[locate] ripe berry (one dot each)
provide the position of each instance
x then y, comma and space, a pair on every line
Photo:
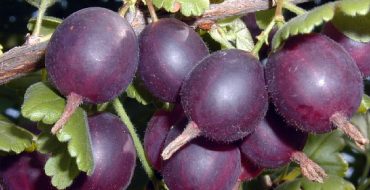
114, 155
224, 96
92, 57
201, 164
24, 172
315, 85
358, 50
156, 133
274, 144
169, 49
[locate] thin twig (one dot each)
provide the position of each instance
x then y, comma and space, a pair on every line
235, 8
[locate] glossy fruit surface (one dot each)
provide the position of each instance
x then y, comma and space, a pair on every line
201, 164
312, 78
93, 53
156, 133
358, 50
169, 49
273, 142
24, 172
225, 95
114, 155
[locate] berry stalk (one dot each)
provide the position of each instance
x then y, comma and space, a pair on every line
262, 38
73, 102
150, 6
191, 131
350, 130
41, 12
309, 169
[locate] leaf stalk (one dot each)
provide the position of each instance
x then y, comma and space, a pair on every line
138, 145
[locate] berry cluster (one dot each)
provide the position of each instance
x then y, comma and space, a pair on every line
233, 116
224, 132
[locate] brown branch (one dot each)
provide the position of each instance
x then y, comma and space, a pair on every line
27, 58
21, 60
234, 8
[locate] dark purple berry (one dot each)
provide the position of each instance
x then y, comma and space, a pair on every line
169, 49
114, 155
24, 172
225, 95
92, 57
156, 133
93, 53
274, 144
315, 85
201, 164
358, 50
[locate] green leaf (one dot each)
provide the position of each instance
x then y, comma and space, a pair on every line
305, 23
37, 3
62, 169
48, 25
232, 33
187, 7
136, 91
46, 142
42, 104
331, 183
365, 104
325, 149
263, 18
76, 133
357, 28
353, 8
13, 138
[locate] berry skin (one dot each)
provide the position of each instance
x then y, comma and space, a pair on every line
358, 50
156, 133
169, 49
314, 83
91, 57
93, 53
114, 155
24, 172
225, 95
201, 164
274, 144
